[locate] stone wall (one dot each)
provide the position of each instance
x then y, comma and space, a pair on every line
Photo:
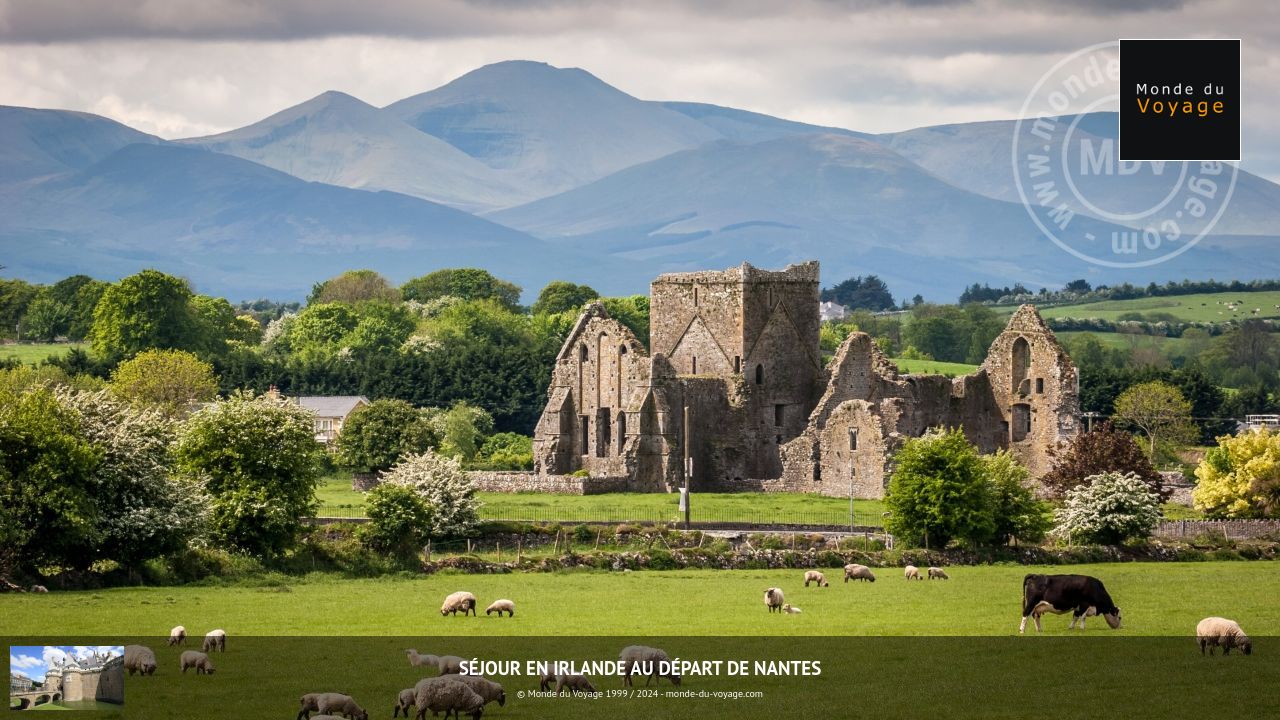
529, 481
1232, 529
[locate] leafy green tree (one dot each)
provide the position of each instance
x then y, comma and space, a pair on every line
1104, 449
939, 492
215, 322
506, 451
171, 381
560, 296
46, 317
1017, 513
632, 311
464, 283
377, 435
381, 328
400, 520
1159, 412
15, 296
1109, 510
353, 287
867, 293
462, 430
258, 460
321, 327
1240, 478
446, 491
144, 311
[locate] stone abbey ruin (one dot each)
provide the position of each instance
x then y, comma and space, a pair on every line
736, 352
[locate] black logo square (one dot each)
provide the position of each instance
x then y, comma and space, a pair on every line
1180, 100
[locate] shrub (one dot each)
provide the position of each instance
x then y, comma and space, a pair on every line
506, 451
1241, 477
377, 435
1016, 511
1105, 449
1112, 508
445, 490
400, 520
939, 492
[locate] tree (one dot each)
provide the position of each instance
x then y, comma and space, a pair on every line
445, 490
1104, 449
15, 296
1240, 478
257, 458
560, 296
939, 491
462, 430
1111, 509
377, 435
1078, 286
869, 293
172, 381
632, 311
353, 287
46, 317
144, 311
464, 283
506, 451
400, 520
1016, 511
1159, 411
320, 328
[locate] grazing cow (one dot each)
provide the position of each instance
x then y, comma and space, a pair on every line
1080, 595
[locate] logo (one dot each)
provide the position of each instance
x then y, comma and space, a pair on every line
1082, 196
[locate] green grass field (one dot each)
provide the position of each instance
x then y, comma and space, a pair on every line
1204, 307
32, 353
1167, 346
933, 367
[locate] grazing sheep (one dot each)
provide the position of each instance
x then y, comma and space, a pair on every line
773, 599
546, 678
450, 664
485, 688
139, 659
39, 589
632, 655
416, 659
177, 636
403, 703
197, 660
447, 694
1213, 632
501, 606
331, 703
460, 601
215, 640
791, 609
815, 576
937, 573
575, 684
911, 572
858, 572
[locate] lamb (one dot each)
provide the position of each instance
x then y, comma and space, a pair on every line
331, 703
403, 703
791, 609
39, 589
450, 664
773, 599
460, 601
139, 659
911, 572
575, 684
215, 640
501, 606
484, 687
815, 576
416, 659
197, 660
177, 636
937, 573
1213, 632
858, 572
447, 694
633, 655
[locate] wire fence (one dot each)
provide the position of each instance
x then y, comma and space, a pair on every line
650, 516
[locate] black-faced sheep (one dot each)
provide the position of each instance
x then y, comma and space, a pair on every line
1215, 632
815, 576
634, 656
501, 606
773, 599
215, 640
197, 660
448, 695
403, 702
331, 703
139, 659
854, 571
461, 601
177, 636
937, 573
575, 684
911, 572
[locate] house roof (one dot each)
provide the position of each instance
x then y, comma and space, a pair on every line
332, 406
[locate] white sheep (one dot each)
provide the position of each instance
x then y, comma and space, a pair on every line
791, 609
633, 655
197, 660
1213, 632
177, 636
331, 703
911, 572
450, 664
39, 589
773, 599
447, 694
815, 576
418, 659
489, 690
938, 574
139, 659
403, 702
215, 640
501, 606
460, 601
854, 571
575, 684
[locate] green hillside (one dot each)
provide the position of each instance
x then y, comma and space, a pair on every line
1204, 307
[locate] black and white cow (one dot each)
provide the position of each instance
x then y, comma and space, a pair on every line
1080, 595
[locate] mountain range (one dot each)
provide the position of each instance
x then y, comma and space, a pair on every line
540, 173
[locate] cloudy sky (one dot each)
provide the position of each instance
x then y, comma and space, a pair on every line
188, 67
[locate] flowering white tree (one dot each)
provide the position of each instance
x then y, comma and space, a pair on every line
447, 491
1109, 509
